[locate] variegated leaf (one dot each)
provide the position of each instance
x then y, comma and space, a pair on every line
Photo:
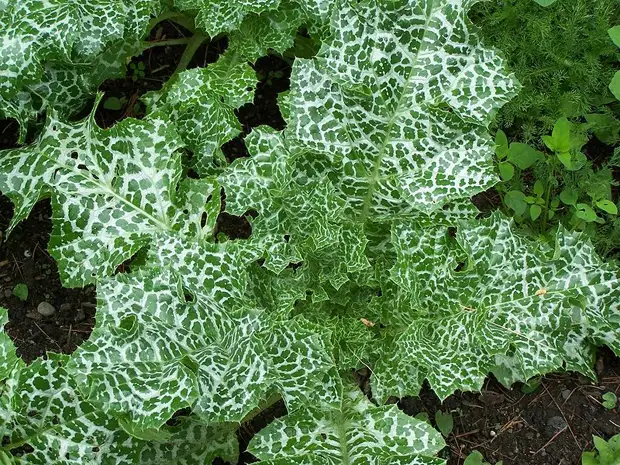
544, 308
46, 421
398, 100
217, 16
300, 217
202, 104
166, 340
355, 433
112, 190
36, 32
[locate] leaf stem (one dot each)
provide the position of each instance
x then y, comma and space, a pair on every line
192, 46
177, 17
165, 43
547, 198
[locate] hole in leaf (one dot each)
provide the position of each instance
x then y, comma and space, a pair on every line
460, 267
74, 155
203, 219
188, 296
452, 231
55, 420
192, 174
82, 167
287, 237
95, 449
323, 436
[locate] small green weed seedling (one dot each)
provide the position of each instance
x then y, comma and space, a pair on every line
607, 452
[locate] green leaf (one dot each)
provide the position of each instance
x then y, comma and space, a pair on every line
216, 16
609, 400
535, 211
569, 197
423, 416
523, 156
545, 3
506, 171
614, 33
195, 337
445, 422
589, 458
539, 188
585, 213
614, 85
607, 206
113, 103
474, 458
501, 145
269, 31
356, 432
560, 140
112, 190
37, 32
566, 159
21, 292
401, 132
201, 103
9, 360
516, 201
43, 408
299, 217
510, 304
531, 385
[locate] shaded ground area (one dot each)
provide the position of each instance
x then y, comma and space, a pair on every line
550, 426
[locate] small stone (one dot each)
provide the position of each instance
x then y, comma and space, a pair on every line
33, 315
65, 307
566, 394
491, 398
555, 424
8, 293
600, 366
46, 309
80, 315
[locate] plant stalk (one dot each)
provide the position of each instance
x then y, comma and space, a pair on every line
548, 197
192, 46
167, 42
177, 17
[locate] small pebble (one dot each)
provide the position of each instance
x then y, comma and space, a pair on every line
65, 307
566, 393
8, 293
46, 309
33, 315
555, 424
80, 316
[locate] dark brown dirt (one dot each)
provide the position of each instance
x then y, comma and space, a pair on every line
24, 260
551, 426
